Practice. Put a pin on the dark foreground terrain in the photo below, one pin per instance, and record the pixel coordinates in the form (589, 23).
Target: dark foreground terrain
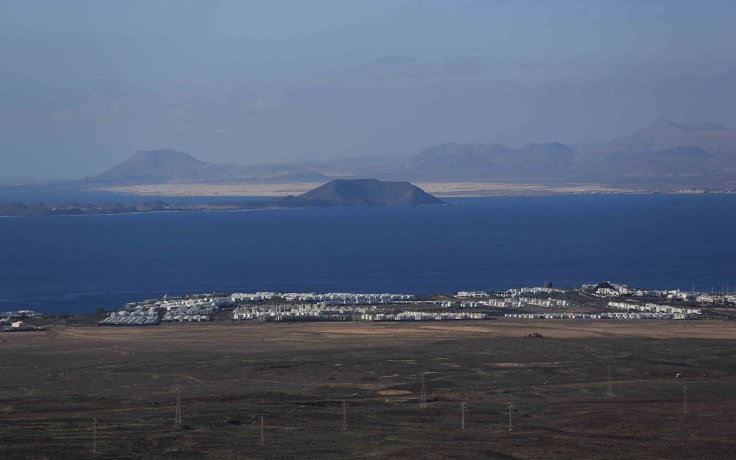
(54, 384)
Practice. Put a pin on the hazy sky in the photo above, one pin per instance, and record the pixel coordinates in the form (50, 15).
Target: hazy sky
(84, 84)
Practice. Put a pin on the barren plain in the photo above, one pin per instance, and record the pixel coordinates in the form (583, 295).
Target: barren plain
(442, 189)
(335, 390)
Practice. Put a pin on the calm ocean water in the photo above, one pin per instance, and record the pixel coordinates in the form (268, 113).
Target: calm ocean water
(72, 264)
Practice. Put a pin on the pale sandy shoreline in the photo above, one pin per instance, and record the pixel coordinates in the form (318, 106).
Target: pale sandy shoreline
(442, 189)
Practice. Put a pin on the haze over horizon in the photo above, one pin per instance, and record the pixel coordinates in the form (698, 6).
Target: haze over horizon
(84, 84)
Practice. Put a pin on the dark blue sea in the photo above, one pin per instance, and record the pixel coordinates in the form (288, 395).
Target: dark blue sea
(79, 263)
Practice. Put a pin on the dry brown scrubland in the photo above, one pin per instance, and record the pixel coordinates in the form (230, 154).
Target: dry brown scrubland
(54, 384)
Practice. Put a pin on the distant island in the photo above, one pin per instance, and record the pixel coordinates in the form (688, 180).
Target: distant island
(336, 193)
(663, 156)
(361, 192)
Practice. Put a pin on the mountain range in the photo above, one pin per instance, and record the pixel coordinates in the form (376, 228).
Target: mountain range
(663, 153)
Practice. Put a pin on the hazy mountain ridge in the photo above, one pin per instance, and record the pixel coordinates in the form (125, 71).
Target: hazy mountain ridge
(456, 161)
(156, 166)
(700, 153)
(683, 155)
(171, 166)
(663, 135)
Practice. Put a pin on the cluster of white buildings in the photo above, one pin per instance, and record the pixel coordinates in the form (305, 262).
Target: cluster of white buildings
(138, 317)
(347, 306)
(332, 298)
(645, 315)
(424, 316)
(252, 297)
(325, 312)
(472, 295)
(190, 314)
(621, 290)
(618, 290)
(604, 315)
(11, 320)
(713, 298)
(153, 312)
(7, 317)
(534, 291)
(655, 308)
(300, 312)
(195, 309)
(192, 302)
(525, 291)
(518, 302)
(513, 298)
(559, 315)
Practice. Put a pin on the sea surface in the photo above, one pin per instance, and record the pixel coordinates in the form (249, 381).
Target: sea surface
(78, 263)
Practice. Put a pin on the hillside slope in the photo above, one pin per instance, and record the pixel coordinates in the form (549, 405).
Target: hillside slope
(362, 192)
(164, 166)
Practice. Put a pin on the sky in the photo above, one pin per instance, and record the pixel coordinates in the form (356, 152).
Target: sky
(85, 84)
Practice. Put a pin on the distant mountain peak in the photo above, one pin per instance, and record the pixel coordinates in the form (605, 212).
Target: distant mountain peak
(165, 166)
(164, 155)
(665, 135)
(547, 146)
(457, 148)
(664, 123)
(476, 161)
(708, 126)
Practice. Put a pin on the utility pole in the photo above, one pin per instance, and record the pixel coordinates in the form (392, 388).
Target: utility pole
(511, 406)
(94, 436)
(462, 415)
(177, 416)
(344, 415)
(609, 386)
(263, 437)
(423, 392)
(684, 398)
